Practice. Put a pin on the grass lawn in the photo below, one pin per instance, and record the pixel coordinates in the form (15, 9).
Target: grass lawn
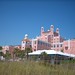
(35, 68)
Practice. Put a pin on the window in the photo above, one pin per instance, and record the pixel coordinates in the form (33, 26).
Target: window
(34, 49)
(57, 45)
(54, 46)
(35, 46)
(35, 42)
(62, 51)
(66, 48)
(38, 42)
(51, 45)
(61, 45)
(23, 47)
(26, 42)
(41, 43)
(30, 46)
(46, 44)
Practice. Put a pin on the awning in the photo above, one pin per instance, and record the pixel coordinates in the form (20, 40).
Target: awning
(49, 52)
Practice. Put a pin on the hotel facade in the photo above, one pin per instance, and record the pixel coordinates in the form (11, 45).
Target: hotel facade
(49, 40)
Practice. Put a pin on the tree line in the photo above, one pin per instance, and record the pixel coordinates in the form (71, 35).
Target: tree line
(16, 53)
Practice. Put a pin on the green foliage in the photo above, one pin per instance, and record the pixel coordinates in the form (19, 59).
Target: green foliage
(68, 61)
(44, 58)
(0, 47)
(34, 57)
(7, 55)
(27, 50)
(44, 55)
(1, 53)
(19, 53)
(62, 50)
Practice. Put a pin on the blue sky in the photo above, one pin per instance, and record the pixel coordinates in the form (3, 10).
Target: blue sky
(18, 18)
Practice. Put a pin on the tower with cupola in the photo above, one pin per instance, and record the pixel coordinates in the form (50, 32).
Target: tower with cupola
(42, 30)
(26, 43)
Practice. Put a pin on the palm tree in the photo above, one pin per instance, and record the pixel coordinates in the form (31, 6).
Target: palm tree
(1, 51)
(19, 53)
(7, 55)
(27, 50)
(15, 53)
(0, 47)
(44, 55)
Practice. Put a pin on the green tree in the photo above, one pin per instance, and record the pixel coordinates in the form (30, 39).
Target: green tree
(0, 47)
(19, 53)
(62, 50)
(1, 53)
(16, 51)
(7, 55)
(44, 57)
(27, 50)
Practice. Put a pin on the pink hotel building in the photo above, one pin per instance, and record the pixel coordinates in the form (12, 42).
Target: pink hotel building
(49, 40)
